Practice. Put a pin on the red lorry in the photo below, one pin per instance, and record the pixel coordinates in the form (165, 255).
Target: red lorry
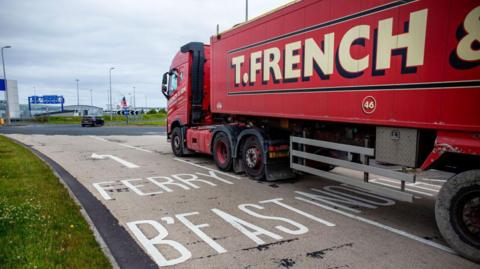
(318, 84)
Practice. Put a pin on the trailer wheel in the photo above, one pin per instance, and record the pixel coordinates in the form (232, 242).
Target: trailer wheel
(177, 143)
(252, 158)
(222, 153)
(457, 211)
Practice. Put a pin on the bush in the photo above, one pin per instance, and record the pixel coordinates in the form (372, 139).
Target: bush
(152, 111)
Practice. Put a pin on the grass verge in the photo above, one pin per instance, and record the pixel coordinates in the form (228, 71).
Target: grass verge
(117, 120)
(40, 225)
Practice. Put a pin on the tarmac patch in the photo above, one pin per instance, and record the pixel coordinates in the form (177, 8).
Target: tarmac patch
(320, 254)
(267, 246)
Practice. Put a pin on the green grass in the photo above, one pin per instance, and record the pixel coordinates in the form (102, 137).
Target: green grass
(145, 119)
(40, 225)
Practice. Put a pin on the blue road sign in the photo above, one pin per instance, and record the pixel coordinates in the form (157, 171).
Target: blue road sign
(2, 85)
(46, 99)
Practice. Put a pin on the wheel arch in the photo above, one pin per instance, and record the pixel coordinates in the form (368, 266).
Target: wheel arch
(232, 132)
(173, 125)
(257, 132)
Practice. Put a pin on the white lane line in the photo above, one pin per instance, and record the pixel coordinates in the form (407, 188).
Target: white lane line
(395, 186)
(123, 145)
(382, 226)
(137, 148)
(208, 168)
(408, 184)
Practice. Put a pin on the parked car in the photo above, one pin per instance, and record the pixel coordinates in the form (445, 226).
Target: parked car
(89, 120)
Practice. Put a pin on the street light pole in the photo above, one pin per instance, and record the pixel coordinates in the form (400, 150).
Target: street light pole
(246, 10)
(7, 110)
(111, 107)
(134, 98)
(78, 94)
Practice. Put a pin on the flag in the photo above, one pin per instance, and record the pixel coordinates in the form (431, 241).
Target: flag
(123, 104)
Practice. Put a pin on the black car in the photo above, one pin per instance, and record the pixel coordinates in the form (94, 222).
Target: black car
(88, 120)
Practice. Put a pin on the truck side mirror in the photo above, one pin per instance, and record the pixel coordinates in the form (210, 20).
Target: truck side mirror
(164, 85)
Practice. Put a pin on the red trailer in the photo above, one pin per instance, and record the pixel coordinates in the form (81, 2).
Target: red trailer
(323, 83)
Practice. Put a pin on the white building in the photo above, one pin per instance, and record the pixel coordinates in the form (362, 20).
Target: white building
(13, 103)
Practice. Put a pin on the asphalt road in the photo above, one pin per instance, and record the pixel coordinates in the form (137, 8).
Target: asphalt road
(184, 212)
(76, 129)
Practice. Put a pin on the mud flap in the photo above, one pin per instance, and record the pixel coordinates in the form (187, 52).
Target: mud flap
(237, 166)
(278, 169)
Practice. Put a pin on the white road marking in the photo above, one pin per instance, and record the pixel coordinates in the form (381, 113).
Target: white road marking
(151, 244)
(430, 185)
(382, 226)
(305, 214)
(365, 190)
(435, 180)
(208, 168)
(196, 228)
(101, 189)
(250, 230)
(414, 185)
(397, 186)
(319, 198)
(123, 145)
(115, 158)
(301, 229)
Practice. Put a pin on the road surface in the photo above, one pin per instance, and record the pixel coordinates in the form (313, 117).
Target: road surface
(184, 212)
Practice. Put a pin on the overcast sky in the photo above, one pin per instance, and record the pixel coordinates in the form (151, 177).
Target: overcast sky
(55, 42)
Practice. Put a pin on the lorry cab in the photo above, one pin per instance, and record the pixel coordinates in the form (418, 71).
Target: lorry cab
(186, 87)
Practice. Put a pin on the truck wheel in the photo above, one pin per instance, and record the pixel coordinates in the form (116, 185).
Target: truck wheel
(457, 211)
(222, 153)
(177, 142)
(252, 158)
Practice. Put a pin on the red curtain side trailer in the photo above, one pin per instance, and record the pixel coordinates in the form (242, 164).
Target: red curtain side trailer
(323, 83)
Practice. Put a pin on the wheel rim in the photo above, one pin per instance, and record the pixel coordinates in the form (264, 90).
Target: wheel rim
(176, 142)
(253, 157)
(221, 152)
(466, 207)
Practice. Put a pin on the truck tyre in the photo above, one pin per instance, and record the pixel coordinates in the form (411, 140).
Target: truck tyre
(457, 211)
(177, 142)
(252, 158)
(222, 152)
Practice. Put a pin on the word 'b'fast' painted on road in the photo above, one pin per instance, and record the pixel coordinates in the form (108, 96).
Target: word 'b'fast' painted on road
(250, 230)
(160, 184)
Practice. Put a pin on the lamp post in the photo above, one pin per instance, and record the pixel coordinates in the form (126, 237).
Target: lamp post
(246, 10)
(111, 107)
(78, 94)
(7, 110)
(134, 98)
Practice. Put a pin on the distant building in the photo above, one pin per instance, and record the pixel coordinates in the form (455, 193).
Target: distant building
(68, 111)
(13, 104)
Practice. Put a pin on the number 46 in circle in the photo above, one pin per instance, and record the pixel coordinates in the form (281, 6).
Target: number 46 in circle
(369, 104)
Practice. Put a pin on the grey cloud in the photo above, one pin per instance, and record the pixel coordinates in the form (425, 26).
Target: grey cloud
(54, 42)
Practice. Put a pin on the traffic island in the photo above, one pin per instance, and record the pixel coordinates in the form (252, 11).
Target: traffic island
(40, 224)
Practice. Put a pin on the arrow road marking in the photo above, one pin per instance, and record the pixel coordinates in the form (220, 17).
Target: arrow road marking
(121, 161)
